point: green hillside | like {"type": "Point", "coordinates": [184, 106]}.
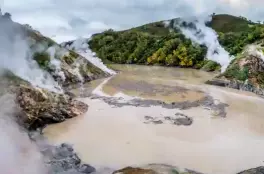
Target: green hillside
{"type": "Point", "coordinates": [158, 43]}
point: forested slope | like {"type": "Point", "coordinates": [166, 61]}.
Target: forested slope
{"type": "Point", "coordinates": [161, 43]}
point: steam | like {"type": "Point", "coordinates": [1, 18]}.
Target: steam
{"type": "Point", "coordinates": [81, 47]}
{"type": "Point", "coordinates": [256, 51]}
{"type": "Point", "coordinates": [198, 32]}
{"type": "Point", "coordinates": [55, 62]}
{"type": "Point", "coordinates": [18, 153]}
{"type": "Point", "coordinates": [16, 57]}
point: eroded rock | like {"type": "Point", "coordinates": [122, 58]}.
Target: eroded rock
{"type": "Point", "coordinates": [41, 107]}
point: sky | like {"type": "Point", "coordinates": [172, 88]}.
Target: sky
{"type": "Point", "coordinates": [65, 20]}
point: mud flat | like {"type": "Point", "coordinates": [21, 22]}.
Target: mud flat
{"type": "Point", "coordinates": [219, 131]}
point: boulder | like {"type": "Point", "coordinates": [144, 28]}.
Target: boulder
{"type": "Point", "coordinates": [131, 170]}
{"type": "Point", "coordinates": [40, 107]}
{"type": "Point", "coordinates": [63, 159]}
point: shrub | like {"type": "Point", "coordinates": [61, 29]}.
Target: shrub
{"type": "Point", "coordinates": [235, 72]}
{"type": "Point", "coordinates": [42, 59]}
{"type": "Point", "coordinates": [211, 66]}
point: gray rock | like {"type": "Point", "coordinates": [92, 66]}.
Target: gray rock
{"type": "Point", "coordinates": [244, 86]}
{"type": "Point", "coordinates": [157, 122]}
{"type": "Point", "coordinates": [258, 170]}
{"type": "Point", "coordinates": [63, 159]}
{"type": "Point", "coordinates": [149, 118]}
{"type": "Point", "coordinates": [85, 168]}
{"type": "Point", "coordinates": [186, 121]}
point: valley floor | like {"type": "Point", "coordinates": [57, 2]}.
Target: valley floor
{"type": "Point", "coordinates": [146, 115]}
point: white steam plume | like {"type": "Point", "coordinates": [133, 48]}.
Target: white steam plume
{"type": "Point", "coordinates": [16, 57]}
{"type": "Point", "coordinates": [81, 47]}
{"type": "Point", "coordinates": [201, 34]}
{"type": "Point", "coordinates": [18, 154]}
{"type": "Point", "coordinates": [55, 61]}
{"type": "Point", "coordinates": [255, 50]}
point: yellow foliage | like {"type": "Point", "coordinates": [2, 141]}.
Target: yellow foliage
{"type": "Point", "coordinates": [149, 60]}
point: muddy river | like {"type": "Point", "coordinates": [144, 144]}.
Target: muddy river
{"type": "Point", "coordinates": [147, 115]}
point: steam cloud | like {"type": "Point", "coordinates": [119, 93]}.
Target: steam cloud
{"type": "Point", "coordinates": [18, 154]}
{"type": "Point", "coordinates": [256, 51]}
{"type": "Point", "coordinates": [17, 57]}
{"type": "Point", "coordinates": [201, 34]}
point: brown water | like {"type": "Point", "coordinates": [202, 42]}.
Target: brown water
{"type": "Point", "coordinates": [117, 137]}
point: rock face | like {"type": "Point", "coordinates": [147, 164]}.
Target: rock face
{"type": "Point", "coordinates": [41, 107]}
{"type": "Point", "coordinates": [246, 72]}
{"type": "Point", "coordinates": [74, 69]}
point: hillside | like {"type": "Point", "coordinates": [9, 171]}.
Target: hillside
{"type": "Point", "coordinates": [56, 64]}
{"type": "Point", "coordinates": [163, 43]}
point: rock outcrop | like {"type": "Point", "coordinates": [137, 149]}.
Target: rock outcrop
{"type": "Point", "coordinates": [131, 170]}
{"type": "Point", "coordinates": [167, 169]}
{"type": "Point", "coordinates": [41, 107]}
{"type": "Point", "coordinates": [246, 72]}
{"type": "Point", "coordinates": [66, 66]}
{"type": "Point", "coordinates": [258, 170]}
{"type": "Point", "coordinates": [60, 159]}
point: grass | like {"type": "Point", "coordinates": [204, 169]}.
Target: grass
{"type": "Point", "coordinates": [227, 23]}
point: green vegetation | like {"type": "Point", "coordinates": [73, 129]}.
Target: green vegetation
{"type": "Point", "coordinates": [42, 59]}
{"type": "Point", "coordinates": [235, 42]}
{"type": "Point", "coordinates": [156, 44]}
{"type": "Point", "coordinates": [234, 71]}
{"type": "Point", "coordinates": [211, 66]}
{"type": "Point", "coordinates": [227, 23]}
{"type": "Point", "coordinates": [137, 47]}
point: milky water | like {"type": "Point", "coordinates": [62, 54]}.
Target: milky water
{"type": "Point", "coordinates": [118, 137]}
